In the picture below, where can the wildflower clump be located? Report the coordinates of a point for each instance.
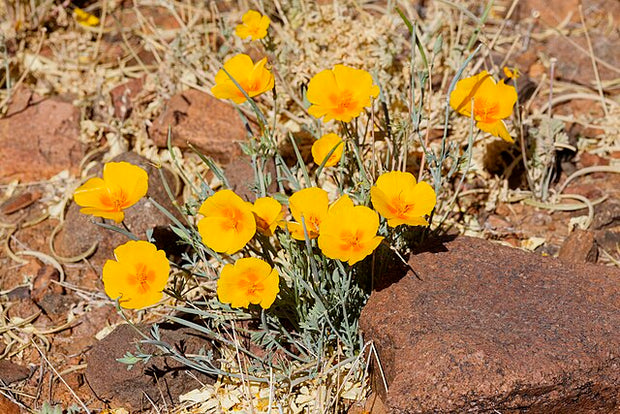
(323, 146)
(228, 222)
(340, 93)
(348, 232)
(399, 199)
(249, 280)
(123, 185)
(254, 78)
(138, 275)
(308, 207)
(254, 25)
(491, 102)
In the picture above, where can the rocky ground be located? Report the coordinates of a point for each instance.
(54, 133)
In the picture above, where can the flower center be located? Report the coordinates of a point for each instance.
(399, 208)
(142, 278)
(234, 217)
(114, 201)
(485, 110)
(343, 101)
(251, 285)
(250, 86)
(312, 225)
(352, 240)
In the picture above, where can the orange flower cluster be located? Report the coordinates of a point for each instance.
(340, 93)
(344, 231)
(229, 223)
(140, 272)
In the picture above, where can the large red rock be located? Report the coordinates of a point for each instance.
(159, 381)
(210, 124)
(484, 327)
(39, 138)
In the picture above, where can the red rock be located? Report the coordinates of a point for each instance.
(487, 327)
(19, 101)
(372, 405)
(10, 372)
(550, 12)
(7, 406)
(159, 379)
(587, 159)
(44, 283)
(40, 141)
(127, 19)
(606, 215)
(579, 247)
(573, 62)
(81, 337)
(499, 223)
(19, 202)
(124, 31)
(240, 175)
(211, 125)
(123, 95)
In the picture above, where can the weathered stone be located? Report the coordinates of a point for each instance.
(19, 202)
(10, 372)
(124, 31)
(303, 141)
(211, 125)
(80, 233)
(570, 48)
(587, 159)
(160, 378)
(122, 97)
(40, 140)
(7, 406)
(485, 327)
(44, 282)
(240, 175)
(579, 247)
(372, 405)
(607, 215)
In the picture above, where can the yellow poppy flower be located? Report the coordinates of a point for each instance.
(268, 212)
(492, 102)
(349, 233)
(254, 25)
(511, 73)
(398, 198)
(340, 93)
(254, 78)
(137, 276)
(123, 185)
(311, 203)
(84, 18)
(249, 280)
(323, 146)
(228, 222)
